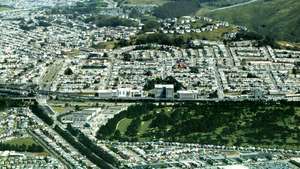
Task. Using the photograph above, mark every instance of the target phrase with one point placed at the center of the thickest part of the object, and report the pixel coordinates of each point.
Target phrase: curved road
(233, 6)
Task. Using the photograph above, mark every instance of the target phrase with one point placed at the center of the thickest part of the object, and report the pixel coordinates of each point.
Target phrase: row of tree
(111, 21)
(83, 139)
(82, 148)
(211, 122)
(150, 83)
(21, 148)
(38, 111)
(131, 112)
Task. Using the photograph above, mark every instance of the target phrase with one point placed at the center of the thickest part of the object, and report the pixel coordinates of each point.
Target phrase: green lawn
(59, 109)
(240, 124)
(21, 141)
(101, 4)
(3, 8)
(123, 124)
(145, 125)
(106, 45)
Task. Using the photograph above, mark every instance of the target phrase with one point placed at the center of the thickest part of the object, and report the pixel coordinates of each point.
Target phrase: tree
(68, 71)
(160, 121)
(126, 56)
(132, 129)
(77, 108)
(105, 55)
(194, 70)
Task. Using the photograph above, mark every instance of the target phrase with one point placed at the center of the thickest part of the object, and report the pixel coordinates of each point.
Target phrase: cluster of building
(45, 136)
(13, 124)
(16, 160)
(239, 70)
(24, 4)
(91, 119)
(41, 56)
(37, 48)
(190, 24)
(32, 40)
(64, 151)
(177, 155)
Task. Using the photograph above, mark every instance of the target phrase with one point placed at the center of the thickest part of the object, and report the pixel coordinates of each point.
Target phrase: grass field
(106, 45)
(275, 18)
(21, 141)
(60, 109)
(3, 8)
(123, 124)
(288, 45)
(52, 71)
(214, 123)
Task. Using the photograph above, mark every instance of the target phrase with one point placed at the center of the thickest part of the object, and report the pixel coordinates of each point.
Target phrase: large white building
(164, 91)
(188, 94)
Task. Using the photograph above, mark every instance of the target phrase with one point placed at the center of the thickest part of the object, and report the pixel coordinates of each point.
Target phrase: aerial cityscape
(149, 84)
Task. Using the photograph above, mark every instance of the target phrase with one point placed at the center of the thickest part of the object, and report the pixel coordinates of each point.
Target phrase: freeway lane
(49, 149)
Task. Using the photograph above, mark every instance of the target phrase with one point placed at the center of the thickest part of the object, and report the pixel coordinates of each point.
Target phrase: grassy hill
(3, 8)
(276, 18)
(178, 8)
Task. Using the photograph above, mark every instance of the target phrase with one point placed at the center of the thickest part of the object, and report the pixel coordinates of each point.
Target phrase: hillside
(178, 8)
(279, 19)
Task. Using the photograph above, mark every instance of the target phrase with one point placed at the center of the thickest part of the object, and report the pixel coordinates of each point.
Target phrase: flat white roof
(234, 167)
(187, 91)
(164, 85)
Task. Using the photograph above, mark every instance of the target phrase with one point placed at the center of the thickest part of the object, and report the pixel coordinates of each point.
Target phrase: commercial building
(164, 91)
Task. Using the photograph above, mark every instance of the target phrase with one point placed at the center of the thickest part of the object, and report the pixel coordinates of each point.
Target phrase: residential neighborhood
(115, 84)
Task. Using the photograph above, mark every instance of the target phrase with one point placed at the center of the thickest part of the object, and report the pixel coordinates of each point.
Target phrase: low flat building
(188, 94)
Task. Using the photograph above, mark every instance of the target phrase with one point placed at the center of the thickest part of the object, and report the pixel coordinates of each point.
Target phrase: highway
(49, 149)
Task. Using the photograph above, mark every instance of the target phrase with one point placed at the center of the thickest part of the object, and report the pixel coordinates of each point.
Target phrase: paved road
(233, 6)
(50, 149)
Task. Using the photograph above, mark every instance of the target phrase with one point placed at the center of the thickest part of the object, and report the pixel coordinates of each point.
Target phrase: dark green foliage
(101, 21)
(160, 121)
(82, 148)
(150, 83)
(6, 103)
(133, 127)
(134, 13)
(68, 71)
(226, 123)
(92, 146)
(261, 40)
(194, 70)
(3, 104)
(38, 111)
(278, 19)
(79, 8)
(126, 57)
(150, 25)
(21, 148)
(177, 8)
(161, 38)
(131, 112)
